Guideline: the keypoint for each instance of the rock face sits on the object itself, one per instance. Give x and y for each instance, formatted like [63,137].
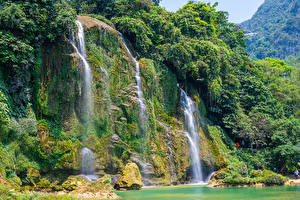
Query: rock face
[113,131]
[131,178]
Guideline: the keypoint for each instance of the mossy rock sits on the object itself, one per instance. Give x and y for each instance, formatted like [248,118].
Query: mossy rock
[43,185]
[74,182]
[131,178]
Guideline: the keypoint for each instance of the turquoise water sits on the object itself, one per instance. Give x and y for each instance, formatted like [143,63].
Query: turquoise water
[205,193]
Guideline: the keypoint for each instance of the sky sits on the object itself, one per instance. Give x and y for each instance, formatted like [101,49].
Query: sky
[239,10]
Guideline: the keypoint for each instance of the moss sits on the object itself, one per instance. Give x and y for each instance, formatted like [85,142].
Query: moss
[74,182]
[237,180]
[131,178]
[102,18]
[44,185]
[15,182]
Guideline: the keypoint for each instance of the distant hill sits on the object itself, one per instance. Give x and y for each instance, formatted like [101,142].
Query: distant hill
[274,30]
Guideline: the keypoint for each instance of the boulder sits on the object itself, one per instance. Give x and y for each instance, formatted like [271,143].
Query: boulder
[131,178]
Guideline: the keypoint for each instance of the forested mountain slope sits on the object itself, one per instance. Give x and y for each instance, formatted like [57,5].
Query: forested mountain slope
[275,29]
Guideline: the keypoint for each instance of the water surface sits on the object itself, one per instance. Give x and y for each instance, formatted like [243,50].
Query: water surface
[205,193]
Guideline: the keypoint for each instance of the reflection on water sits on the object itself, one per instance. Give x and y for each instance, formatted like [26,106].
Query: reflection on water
[205,193]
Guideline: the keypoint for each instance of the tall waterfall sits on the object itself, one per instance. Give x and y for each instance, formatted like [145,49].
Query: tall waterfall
[81,51]
[192,133]
[88,164]
[87,158]
[143,118]
[142,106]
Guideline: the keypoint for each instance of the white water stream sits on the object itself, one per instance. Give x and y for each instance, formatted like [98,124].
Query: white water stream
[88,164]
[87,158]
[87,80]
[192,133]
[142,106]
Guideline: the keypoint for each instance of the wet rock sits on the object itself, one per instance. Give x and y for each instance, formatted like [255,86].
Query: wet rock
[114,179]
[146,168]
[131,178]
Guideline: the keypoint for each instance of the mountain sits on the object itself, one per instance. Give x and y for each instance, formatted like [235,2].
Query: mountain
[274,30]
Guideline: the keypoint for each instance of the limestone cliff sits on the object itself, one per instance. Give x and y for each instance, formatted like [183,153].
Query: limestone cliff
[113,131]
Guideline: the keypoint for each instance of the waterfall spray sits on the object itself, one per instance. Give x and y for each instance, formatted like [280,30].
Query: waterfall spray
[88,164]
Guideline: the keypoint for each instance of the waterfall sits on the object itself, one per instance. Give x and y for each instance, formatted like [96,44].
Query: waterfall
[171,163]
[209,177]
[192,133]
[142,107]
[88,164]
[81,52]
[87,158]
[143,118]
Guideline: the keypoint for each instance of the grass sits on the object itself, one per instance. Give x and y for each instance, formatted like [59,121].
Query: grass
[9,194]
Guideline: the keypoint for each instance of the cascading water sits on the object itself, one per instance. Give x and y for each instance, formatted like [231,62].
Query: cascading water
[81,52]
[142,106]
[143,118]
[88,164]
[192,133]
[87,158]
[209,177]
[171,163]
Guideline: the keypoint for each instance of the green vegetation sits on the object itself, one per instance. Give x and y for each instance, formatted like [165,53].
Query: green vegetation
[41,125]
[8,194]
[276,30]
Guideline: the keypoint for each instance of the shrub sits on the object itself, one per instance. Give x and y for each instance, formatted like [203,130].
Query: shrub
[44,185]
[255,173]
[271,178]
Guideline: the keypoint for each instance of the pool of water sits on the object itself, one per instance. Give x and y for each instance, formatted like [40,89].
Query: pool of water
[205,193]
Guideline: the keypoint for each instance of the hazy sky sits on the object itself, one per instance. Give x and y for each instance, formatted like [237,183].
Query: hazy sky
[239,10]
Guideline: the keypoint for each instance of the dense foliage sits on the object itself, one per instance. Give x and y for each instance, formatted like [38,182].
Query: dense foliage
[274,30]
[24,27]
[257,102]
